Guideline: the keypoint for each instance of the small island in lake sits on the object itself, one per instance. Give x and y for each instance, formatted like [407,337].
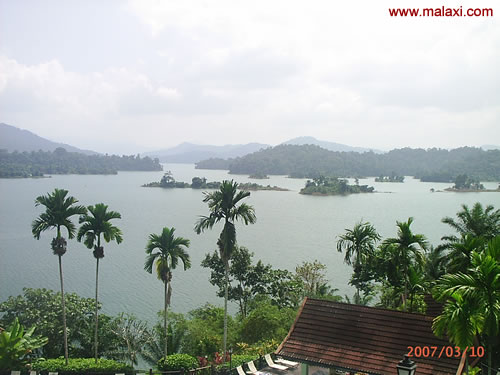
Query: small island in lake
[465,184]
[391,178]
[333,186]
[259,176]
[169,182]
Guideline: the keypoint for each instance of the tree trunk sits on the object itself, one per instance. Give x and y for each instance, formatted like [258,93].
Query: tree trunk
[165,318]
[490,354]
[96,309]
[225,311]
[65,331]
[405,296]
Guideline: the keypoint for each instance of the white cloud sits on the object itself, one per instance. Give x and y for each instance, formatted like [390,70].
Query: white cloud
[233,71]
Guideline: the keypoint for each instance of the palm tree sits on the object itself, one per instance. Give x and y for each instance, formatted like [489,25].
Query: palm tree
[93,226]
[473,305]
[477,222]
[58,210]
[223,206]
[436,263]
[358,244]
[405,250]
[169,249]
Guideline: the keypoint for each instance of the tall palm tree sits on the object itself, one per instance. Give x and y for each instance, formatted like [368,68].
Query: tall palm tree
[405,249]
[473,305]
[58,210]
[93,226]
[165,250]
[358,244]
[223,206]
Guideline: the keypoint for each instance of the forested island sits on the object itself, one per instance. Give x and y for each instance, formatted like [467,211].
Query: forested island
[169,182]
[391,178]
[37,164]
[333,186]
[464,184]
[259,176]
[309,161]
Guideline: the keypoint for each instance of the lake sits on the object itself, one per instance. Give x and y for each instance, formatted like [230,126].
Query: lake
[291,228]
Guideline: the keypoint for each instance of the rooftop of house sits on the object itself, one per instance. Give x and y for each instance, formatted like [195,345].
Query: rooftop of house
[365,339]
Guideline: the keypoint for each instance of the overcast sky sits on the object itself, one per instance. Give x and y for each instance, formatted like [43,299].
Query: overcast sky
[132,76]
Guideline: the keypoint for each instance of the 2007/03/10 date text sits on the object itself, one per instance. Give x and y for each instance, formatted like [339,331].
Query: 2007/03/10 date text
[444,351]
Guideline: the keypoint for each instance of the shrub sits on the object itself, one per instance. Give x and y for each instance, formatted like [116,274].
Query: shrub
[81,365]
[238,360]
[177,362]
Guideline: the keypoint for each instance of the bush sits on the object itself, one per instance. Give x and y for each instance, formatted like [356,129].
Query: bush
[238,360]
[81,365]
[177,362]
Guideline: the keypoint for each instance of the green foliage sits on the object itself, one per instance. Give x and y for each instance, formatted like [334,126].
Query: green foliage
[132,334]
[477,221]
[463,182]
[400,254]
[309,161]
[177,362]
[97,224]
[359,247]
[333,186]
[205,329]
[33,164]
[154,348]
[238,360]
[58,210]
[312,276]
[259,349]
[16,346]
[245,280]
[42,307]
[391,178]
[169,182]
[472,302]
[81,365]
[266,322]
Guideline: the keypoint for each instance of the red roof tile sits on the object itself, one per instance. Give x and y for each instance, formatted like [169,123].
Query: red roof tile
[362,338]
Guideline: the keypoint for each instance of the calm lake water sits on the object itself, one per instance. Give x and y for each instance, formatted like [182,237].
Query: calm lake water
[291,228]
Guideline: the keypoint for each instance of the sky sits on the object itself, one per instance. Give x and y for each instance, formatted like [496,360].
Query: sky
[141,75]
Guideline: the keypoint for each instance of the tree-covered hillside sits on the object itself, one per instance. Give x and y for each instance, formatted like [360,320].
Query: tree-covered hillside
[312,161]
[33,164]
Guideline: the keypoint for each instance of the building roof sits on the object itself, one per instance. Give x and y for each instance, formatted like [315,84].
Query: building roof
[364,339]
[434,308]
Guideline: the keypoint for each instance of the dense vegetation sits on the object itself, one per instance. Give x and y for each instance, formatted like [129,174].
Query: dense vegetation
[169,182]
[463,272]
[333,186]
[309,161]
[391,178]
[36,164]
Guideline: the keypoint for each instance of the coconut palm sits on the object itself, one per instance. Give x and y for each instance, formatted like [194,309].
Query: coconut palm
[58,210]
[165,250]
[93,226]
[405,250]
[473,301]
[223,206]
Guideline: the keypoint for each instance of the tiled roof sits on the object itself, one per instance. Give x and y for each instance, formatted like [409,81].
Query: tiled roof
[362,338]
[434,308]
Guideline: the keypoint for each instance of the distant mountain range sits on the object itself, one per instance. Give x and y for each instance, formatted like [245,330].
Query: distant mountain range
[490,147]
[192,153]
[15,139]
[331,146]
